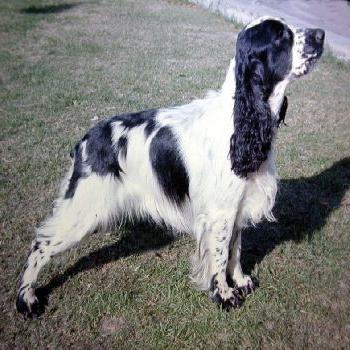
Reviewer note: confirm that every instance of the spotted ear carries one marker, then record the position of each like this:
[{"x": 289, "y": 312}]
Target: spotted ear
[{"x": 253, "y": 124}]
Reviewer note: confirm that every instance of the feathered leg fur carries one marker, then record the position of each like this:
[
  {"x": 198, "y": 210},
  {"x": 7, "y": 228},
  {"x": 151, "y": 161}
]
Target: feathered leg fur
[{"x": 72, "y": 219}]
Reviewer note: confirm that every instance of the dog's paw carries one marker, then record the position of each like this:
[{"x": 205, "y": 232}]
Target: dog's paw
[
  {"x": 248, "y": 286},
  {"x": 28, "y": 304},
  {"x": 244, "y": 285},
  {"x": 227, "y": 298}
]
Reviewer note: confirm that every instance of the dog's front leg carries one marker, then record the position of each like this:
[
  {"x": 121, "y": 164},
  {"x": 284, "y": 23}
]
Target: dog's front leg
[
  {"x": 211, "y": 258},
  {"x": 235, "y": 274}
]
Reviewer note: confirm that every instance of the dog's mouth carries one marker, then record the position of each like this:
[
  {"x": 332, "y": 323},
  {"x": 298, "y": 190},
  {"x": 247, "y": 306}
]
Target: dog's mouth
[
  {"x": 312, "y": 59},
  {"x": 308, "y": 65}
]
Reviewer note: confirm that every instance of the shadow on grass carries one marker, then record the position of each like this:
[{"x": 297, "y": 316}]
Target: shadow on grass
[
  {"x": 138, "y": 238},
  {"x": 42, "y": 10},
  {"x": 302, "y": 208}
]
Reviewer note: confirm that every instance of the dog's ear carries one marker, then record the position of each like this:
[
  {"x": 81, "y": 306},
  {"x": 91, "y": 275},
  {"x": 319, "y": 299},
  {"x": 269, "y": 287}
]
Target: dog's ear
[{"x": 253, "y": 124}]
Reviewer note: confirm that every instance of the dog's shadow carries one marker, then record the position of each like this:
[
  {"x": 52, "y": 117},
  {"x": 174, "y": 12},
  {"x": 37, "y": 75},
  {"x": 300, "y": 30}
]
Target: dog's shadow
[
  {"x": 135, "y": 238},
  {"x": 302, "y": 208}
]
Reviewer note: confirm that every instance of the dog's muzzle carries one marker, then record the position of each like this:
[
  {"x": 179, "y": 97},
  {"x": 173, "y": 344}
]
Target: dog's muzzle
[
  {"x": 313, "y": 48},
  {"x": 314, "y": 40}
]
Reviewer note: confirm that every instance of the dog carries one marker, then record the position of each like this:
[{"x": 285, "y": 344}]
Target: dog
[{"x": 206, "y": 168}]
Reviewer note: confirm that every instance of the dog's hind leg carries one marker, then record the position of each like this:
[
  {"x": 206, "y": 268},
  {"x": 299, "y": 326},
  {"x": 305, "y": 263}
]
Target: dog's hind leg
[{"x": 92, "y": 205}]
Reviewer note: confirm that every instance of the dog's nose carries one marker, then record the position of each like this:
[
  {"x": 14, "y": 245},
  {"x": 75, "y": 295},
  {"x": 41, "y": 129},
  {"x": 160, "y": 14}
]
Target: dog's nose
[
  {"x": 319, "y": 35},
  {"x": 314, "y": 39}
]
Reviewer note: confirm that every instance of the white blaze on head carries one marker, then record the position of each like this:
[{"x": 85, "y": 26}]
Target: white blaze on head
[{"x": 299, "y": 59}]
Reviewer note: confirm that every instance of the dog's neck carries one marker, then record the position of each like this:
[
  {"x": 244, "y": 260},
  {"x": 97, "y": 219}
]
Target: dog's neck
[
  {"x": 276, "y": 98},
  {"x": 229, "y": 86}
]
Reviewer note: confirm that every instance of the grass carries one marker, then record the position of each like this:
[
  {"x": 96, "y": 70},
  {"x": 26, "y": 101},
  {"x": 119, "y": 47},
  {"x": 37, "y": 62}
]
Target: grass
[{"x": 63, "y": 63}]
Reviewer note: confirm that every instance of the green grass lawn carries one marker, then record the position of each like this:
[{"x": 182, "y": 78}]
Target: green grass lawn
[{"x": 64, "y": 63}]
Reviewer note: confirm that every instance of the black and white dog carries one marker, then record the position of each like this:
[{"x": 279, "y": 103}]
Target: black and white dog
[{"x": 207, "y": 167}]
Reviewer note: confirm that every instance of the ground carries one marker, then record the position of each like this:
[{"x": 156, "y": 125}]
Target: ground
[{"x": 65, "y": 65}]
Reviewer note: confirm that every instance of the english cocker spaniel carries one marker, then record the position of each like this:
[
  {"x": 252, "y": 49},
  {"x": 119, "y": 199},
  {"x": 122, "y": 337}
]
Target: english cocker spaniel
[{"x": 206, "y": 168}]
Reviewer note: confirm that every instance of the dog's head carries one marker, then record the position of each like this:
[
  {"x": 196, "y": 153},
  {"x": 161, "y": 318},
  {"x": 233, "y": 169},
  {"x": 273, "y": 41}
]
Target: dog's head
[{"x": 269, "y": 54}]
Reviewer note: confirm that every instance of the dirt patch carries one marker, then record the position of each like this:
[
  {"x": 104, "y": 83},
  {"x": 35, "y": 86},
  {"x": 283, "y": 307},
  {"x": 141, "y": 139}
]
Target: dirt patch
[{"x": 114, "y": 325}]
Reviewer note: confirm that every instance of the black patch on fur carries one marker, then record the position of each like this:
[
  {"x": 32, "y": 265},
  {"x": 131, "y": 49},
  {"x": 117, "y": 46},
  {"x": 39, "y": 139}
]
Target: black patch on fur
[
  {"x": 150, "y": 126},
  {"x": 40, "y": 235},
  {"x": 36, "y": 246},
  {"x": 23, "y": 287},
  {"x": 102, "y": 155},
  {"x": 168, "y": 165},
  {"x": 230, "y": 282},
  {"x": 263, "y": 58},
  {"x": 123, "y": 146},
  {"x": 213, "y": 283},
  {"x": 132, "y": 120},
  {"x": 77, "y": 172}
]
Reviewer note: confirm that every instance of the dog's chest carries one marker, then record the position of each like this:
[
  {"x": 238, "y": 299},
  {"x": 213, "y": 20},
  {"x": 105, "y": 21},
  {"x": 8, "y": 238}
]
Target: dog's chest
[{"x": 259, "y": 196}]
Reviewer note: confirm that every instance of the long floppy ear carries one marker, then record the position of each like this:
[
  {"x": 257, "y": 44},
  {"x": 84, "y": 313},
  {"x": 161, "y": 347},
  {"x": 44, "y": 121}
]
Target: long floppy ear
[{"x": 253, "y": 124}]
